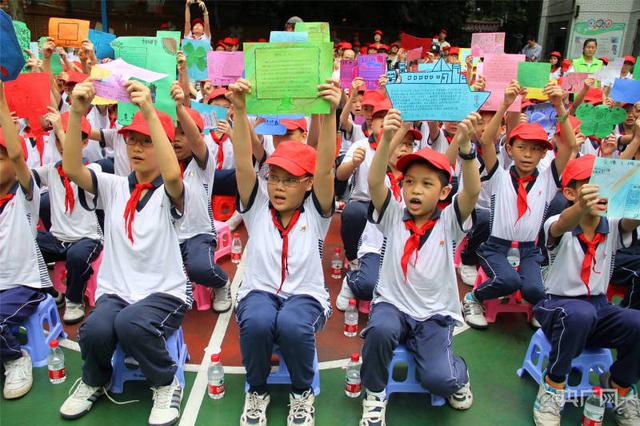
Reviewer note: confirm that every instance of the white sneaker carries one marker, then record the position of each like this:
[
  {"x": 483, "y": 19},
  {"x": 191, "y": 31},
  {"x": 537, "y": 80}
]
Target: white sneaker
[
  {"x": 166, "y": 404},
  {"x": 342, "y": 302},
  {"x": 473, "y": 312},
  {"x": 627, "y": 410},
  {"x": 73, "y": 312},
  {"x": 373, "y": 409},
  {"x": 468, "y": 274},
  {"x": 254, "y": 412},
  {"x": 80, "y": 400},
  {"x": 19, "y": 377},
  {"x": 234, "y": 221},
  {"x": 222, "y": 298},
  {"x": 548, "y": 405},
  {"x": 301, "y": 409},
  {"x": 534, "y": 322},
  {"x": 462, "y": 399}
]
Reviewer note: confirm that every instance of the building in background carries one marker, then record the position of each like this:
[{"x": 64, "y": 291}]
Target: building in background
[{"x": 565, "y": 24}]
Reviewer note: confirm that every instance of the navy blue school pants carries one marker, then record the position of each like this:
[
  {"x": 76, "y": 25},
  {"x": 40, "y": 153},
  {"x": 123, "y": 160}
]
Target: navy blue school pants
[
  {"x": 354, "y": 219},
  {"x": 574, "y": 323},
  {"x": 45, "y": 209},
  {"x": 503, "y": 279},
  {"x": 16, "y": 305},
  {"x": 197, "y": 256},
  {"x": 78, "y": 255},
  {"x": 364, "y": 280},
  {"x": 438, "y": 369},
  {"x": 266, "y": 319},
  {"x": 224, "y": 182},
  {"x": 141, "y": 328},
  {"x": 479, "y": 234},
  {"x": 626, "y": 272}
]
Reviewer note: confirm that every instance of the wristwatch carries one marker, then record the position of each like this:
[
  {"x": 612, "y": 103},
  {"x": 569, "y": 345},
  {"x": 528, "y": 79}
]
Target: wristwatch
[{"x": 471, "y": 155}]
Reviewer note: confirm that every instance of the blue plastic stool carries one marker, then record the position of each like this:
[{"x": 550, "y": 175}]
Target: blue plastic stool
[
  {"x": 121, "y": 373},
  {"x": 597, "y": 360},
  {"x": 411, "y": 383},
  {"x": 37, "y": 337},
  {"x": 281, "y": 375}
]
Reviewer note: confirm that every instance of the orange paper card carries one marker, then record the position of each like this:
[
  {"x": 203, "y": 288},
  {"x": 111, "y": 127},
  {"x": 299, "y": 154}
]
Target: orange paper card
[{"x": 68, "y": 32}]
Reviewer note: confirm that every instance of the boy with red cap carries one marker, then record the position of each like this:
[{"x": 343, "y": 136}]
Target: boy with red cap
[
  {"x": 196, "y": 29},
  {"x": 143, "y": 291},
  {"x": 23, "y": 273},
  {"x": 519, "y": 198},
  {"x": 196, "y": 230},
  {"x": 416, "y": 300},
  {"x": 440, "y": 41},
  {"x": 575, "y": 313},
  {"x": 283, "y": 299},
  {"x": 452, "y": 55},
  {"x": 75, "y": 235},
  {"x": 351, "y": 131},
  {"x": 627, "y": 67}
]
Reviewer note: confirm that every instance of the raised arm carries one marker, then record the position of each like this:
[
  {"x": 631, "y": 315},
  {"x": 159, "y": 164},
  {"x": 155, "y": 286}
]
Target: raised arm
[
  {"x": 567, "y": 135},
  {"x": 189, "y": 127},
  {"x": 183, "y": 77},
  {"x": 314, "y": 131},
  {"x": 187, "y": 19},
  {"x": 378, "y": 168},
  {"x": 323, "y": 178},
  {"x": 468, "y": 196},
  {"x": 579, "y": 98},
  {"x": 205, "y": 14},
  {"x": 345, "y": 116},
  {"x": 72, "y": 164},
  {"x": 633, "y": 146},
  {"x": 14, "y": 147},
  {"x": 587, "y": 202}
]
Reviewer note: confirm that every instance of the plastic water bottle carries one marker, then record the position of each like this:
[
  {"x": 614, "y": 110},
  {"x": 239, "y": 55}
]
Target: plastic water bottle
[
  {"x": 215, "y": 375},
  {"x": 236, "y": 248},
  {"x": 55, "y": 363},
  {"x": 351, "y": 319},
  {"x": 513, "y": 255},
  {"x": 353, "y": 385},
  {"x": 336, "y": 264},
  {"x": 593, "y": 413}
]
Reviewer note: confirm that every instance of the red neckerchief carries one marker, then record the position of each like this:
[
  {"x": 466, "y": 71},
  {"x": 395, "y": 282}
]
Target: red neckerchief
[
  {"x": 372, "y": 140},
  {"x": 396, "y": 189},
  {"x": 589, "y": 257},
  {"x": 522, "y": 193},
  {"x": 220, "y": 141},
  {"x": 284, "y": 233},
  {"x": 4, "y": 200},
  {"x": 447, "y": 136},
  {"x": 69, "y": 196},
  {"x": 413, "y": 242},
  {"x": 130, "y": 209},
  {"x": 112, "y": 121}
]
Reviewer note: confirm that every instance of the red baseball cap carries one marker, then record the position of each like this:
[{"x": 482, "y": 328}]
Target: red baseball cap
[
  {"x": 578, "y": 169},
  {"x": 139, "y": 124},
  {"x": 573, "y": 121},
  {"x": 197, "y": 118},
  {"x": 300, "y": 123},
  {"x": 85, "y": 126},
  {"x": 395, "y": 43},
  {"x": 630, "y": 59},
  {"x": 295, "y": 157},
  {"x": 594, "y": 96},
  {"x": 22, "y": 143},
  {"x": 383, "y": 105},
  {"x": 415, "y": 134},
  {"x": 443, "y": 30},
  {"x": 436, "y": 159},
  {"x": 372, "y": 97},
  {"x": 531, "y": 132},
  {"x": 556, "y": 54},
  {"x": 197, "y": 21},
  {"x": 378, "y": 32},
  {"x": 76, "y": 77},
  {"x": 604, "y": 59},
  {"x": 453, "y": 51},
  {"x": 216, "y": 93},
  {"x": 383, "y": 47}
]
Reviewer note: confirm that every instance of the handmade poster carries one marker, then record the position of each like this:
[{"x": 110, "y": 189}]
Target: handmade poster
[
  {"x": 196, "y": 53},
  {"x": 210, "y": 114},
  {"x": 409, "y": 42},
  {"x": 102, "y": 43},
  {"x": 270, "y": 124},
  {"x": 425, "y": 67},
  {"x": 599, "y": 120},
  {"x": 533, "y": 74},
  {"x": 441, "y": 94},
  {"x": 626, "y": 90},
  {"x": 544, "y": 114},
  {"x": 153, "y": 54},
  {"x": 29, "y": 96},
  {"x": 98, "y": 73},
  {"x": 285, "y": 76},
  {"x": 68, "y": 32},
  {"x": 225, "y": 68},
  {"x": 24, "y": 37},
  {"x": 574, "y": 81},
  {"x": 288, "y": 37},
  {"x": 170, "y": 40},
  {"x": 463, "y": 55},
  {"x": 636, "y": 70},
  {"x": 498, "y": 71},
  {"x": 121, "y": 67},
  {"x": 11, "y": 55},
  {"x": 317, "y": 32},
  {"x": 370, "y": 68},
  {"x": 484, "y": 43},
  {"x": 414, "y": 54},
  {"x": 607, "y": 74},
  {"x": 348, "y": 72},
  {"x": 112, "y": 87},
  {"x": 619, "y": 182}
]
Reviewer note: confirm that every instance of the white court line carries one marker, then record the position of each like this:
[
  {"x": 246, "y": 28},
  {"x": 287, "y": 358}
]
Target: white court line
[{"x": 199, "y": 388}]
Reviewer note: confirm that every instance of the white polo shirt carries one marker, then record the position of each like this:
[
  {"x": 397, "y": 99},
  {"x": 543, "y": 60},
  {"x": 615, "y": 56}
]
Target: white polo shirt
[
  {"x": 501, "y": 189},
  {"x": 198, "y": 218},
  {"x": 348, "y": 138},
  {"x": 264, "y": 250},
  {"x": 566, "y": 254},
  {"x": 360, "y": 191},
  {"x": 229, "y": 161},
  {"x": 440, "y": 144},
  {"x": 153, "y": 262},
  {"x": 21, "y": 262},
  {"x": 68, "y": 226},
  {"x": 432, "y": 286},
  {"x": 115, "y": 141}
]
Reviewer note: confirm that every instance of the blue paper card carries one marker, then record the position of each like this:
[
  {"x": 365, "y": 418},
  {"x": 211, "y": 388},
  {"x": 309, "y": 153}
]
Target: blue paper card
[
  {"x": 11, "y": 57},
  {"x": 544, "y": 114},
  {"x": 619, "y": 182},
  {"x": 626, "y": 90},
  {"x": 102, "y": 43},
  {"x": 272, "y": 126},
  {"x": 210, "y": 114},
  {"x": 196, "y": 53},
  {"x": 288, "y": 37}
]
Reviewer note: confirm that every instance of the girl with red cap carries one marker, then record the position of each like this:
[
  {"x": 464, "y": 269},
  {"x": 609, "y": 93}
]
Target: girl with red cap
[
  {"x": 143, "y": 291},
  {"x": 555, "y": 59},
  {"x": 196, "y": 29},
  {"x": 283, "y": 300}
]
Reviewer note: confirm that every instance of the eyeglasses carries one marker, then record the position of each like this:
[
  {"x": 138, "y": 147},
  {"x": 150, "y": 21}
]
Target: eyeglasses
[
  {"x": 145, "y": 143},
  {"x": 289, "y": 182},
  {"x": 412, "y": 144}
]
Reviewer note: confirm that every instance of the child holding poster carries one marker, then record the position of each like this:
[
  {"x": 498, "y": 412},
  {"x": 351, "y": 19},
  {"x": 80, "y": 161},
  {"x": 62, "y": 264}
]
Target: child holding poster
[
  {"x": 575, "y": 313},
  {"x": 283, "y": 300}
]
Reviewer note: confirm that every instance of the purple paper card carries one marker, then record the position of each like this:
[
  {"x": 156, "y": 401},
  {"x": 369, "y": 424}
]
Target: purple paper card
[{"x": 225, "y": 68}]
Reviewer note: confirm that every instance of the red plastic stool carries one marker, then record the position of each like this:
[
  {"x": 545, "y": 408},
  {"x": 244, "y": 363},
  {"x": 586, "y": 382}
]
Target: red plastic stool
[
  {"x": 202, "y": 297},
  {"x": 616, "y": 290},
  {"x": 60, "y": 279},
  {"x": 364, "y": 306},
  {"x": 224, "y": 240},
  {"x": 223, "y": 206},
  {"x": 457, "y": 260},
  {"x": 512, "y": 303}
]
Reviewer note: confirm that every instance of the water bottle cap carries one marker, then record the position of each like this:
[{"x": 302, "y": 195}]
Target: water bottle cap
[
  {"x": 352, "y": 302},
  {"x": 337, "y": 249},
  {"x": 355, "y": 356},
  {"x": 215, "y": 357},
  {"x": 236, "y": 235},
  {"x": 597, "y": 390},
  {"x": 53, "y": 344}
]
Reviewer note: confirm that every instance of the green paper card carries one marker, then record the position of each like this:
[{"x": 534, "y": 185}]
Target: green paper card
[
  {"x": 318, "y": 31},
  {"x": 56, "y": 61},
  {"x": 533, "y": 74},
  {"x": 284, "y": 77},
  {"x": 636, "y": 69},
  {"x": 24, "y": 38},
  {"x": 173, "y": 35}
]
